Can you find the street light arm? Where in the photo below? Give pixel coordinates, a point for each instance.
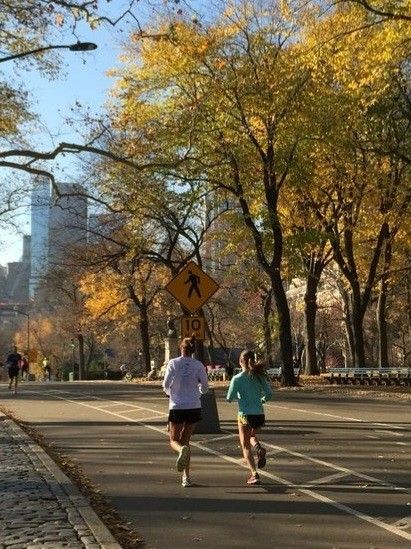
(79, 46)
(12, 310)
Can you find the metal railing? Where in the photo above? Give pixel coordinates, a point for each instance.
(368, 376)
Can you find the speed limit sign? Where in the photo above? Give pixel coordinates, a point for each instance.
(193, 325)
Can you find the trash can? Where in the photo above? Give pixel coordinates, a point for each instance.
(71, 376)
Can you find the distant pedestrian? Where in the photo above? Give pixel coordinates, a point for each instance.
(12, 362)
(46, 369)
(251, 389)
(24, 368)
(184, 382)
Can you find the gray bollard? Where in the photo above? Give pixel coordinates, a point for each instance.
(210, 422)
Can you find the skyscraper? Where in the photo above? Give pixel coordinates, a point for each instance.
(58, 223)
(68, 222)
(40, 215)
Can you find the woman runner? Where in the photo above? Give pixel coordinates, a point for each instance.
(184, 382)
(250, 388)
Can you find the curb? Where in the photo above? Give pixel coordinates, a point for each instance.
(61, 483)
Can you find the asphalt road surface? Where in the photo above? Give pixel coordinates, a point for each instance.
(337, 473)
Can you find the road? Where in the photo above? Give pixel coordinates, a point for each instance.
(337, 473)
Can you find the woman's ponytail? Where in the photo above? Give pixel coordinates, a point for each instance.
(188, 345)
(248, 360)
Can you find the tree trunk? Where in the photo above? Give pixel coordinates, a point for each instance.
(350, 339)
(383, 360)
(357, 326)
(284, 325)
(267, 299)
(81, 359)
(145, 336)
(348, 324)
(310, 299)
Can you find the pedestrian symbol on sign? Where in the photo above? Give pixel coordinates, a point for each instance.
(194, 282)
(192, 287)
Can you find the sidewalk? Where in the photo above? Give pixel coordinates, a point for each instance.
(39, 506)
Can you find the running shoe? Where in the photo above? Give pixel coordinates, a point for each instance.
(182, 459)
(186, 482)
(254, 479)
(261, 457)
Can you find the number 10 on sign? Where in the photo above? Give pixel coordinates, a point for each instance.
(193, 325)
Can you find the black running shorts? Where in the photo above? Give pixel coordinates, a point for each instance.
(253, 421)
(13, 371)
(192, 415)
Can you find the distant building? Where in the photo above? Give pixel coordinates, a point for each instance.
(68, 222)
(217, 216)
(40, 215)
(16, 282)
(3, 281)
(58, 223)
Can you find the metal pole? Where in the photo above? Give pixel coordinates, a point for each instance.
(79, 46)
(31, 52)
(28, 338)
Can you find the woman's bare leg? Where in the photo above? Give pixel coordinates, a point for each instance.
(185, 441)
(244, 432)
(253, 437)
(175, 431)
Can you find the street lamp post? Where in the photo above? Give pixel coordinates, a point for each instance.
(78, 46)
(73, 357)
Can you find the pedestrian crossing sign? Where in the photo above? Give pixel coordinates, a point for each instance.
(192, 287)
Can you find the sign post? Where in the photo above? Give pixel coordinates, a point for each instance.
(192, 287)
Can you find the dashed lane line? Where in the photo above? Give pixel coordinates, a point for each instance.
(239, 462)
(222, 437)
(117, 402)
(134, 410)
(328, 478)
(329, 465)
(385, 432)
(334, 416)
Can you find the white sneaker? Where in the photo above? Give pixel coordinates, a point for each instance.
(186, 482)
(183, 458)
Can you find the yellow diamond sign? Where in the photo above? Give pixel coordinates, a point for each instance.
(192, 287)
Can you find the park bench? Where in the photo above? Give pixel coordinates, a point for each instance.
(275, 373)
(368, 376)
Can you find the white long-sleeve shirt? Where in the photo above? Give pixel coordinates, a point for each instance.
(184, 382)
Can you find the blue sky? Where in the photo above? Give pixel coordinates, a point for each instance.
(82, 79)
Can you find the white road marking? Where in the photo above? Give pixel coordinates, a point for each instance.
(314, 495)
(403, 523)
(329, 478)
(110, 405)
(222, 437)
(273, 453)
(129, 410)
(306, 411)
(335, 467)
(113, 401)
(150, 418)
(385, 432)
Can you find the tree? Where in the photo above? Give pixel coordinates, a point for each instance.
(400, 10)
(228, 96)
